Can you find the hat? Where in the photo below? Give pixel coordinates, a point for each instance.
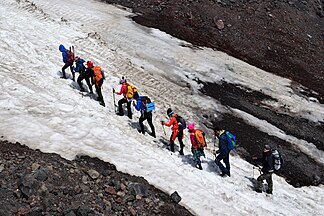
(169, 112)
(266, 147)
(191, 126)
(89, 64)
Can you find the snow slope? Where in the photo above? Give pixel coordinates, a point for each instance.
(48, 113)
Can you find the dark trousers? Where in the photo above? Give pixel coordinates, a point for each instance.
(66, 65)
(120, 107)
(146, 116)
(225, 157)
(82, 77)
(268, 178)
(179, 136)
(98, 90)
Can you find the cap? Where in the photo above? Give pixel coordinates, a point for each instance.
(89, 64)
(191, 126)
(169, 112)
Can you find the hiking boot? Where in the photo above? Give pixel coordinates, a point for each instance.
(63, 77)
(258, 191)
(269, 191)
(181, 152)
(153, 135)
(223, 174)
(199, 166)
(120, 114)
(102, 103)
(140, 131)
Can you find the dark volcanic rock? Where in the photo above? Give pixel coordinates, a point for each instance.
(46, 184)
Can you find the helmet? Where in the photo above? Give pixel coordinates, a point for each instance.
(89, 64)
(191, 126)
(169, 112)
(77, 58)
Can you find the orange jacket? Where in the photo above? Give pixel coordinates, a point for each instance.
(173, 122)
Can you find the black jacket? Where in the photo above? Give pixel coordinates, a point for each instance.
(267, 162)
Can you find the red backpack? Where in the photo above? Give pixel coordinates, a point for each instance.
(70, 57)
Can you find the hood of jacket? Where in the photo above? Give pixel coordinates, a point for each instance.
(62, 48)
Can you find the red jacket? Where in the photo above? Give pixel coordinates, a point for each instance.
(123, 90)
(173, 122)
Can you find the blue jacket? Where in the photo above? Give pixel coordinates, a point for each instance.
(140, 106)
(64, 53)
(79, 66)
(223, 144)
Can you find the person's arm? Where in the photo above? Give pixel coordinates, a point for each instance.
(64, 56)
(171, 122)
(138, 105)
(121, 91)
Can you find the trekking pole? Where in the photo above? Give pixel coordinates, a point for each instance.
(114, 100)
(163, 130)
(253, 172)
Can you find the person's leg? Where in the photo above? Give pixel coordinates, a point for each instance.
(120, 106)
(269, 181)
(66, 65)
(89, 84)
(100, 97)
(141, 119)
(79, 81)
(150, 122)
(172, 138)
(129, 109)
(71, 68)
(260, 182)
(180, 137)
(219, 163)
(227, 164)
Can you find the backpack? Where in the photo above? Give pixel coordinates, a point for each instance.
(131, 90)
(231, 140)
(277, 159)
(200, 138)
(70, 56)
(149, 105)
(181, 122)
(97, 72)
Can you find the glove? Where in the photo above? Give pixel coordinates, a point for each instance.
(162, 122)
(217, 152)
(113, 90)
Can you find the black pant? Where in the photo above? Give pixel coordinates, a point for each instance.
(179, 136)
(120, 107)
(225, 157)
(98, 90)
(82, 77)
(146, 116)
(66, 65)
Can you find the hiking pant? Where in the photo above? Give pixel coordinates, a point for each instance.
(98, 90)
(225, 157)
(66, 65)
(82, 77)
(268, 178)
(197, 153)
(146, 116)
(120, 107)
(174, 135)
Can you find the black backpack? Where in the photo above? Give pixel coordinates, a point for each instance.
(181, 122)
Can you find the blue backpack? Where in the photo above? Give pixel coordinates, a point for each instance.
(231, 140)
